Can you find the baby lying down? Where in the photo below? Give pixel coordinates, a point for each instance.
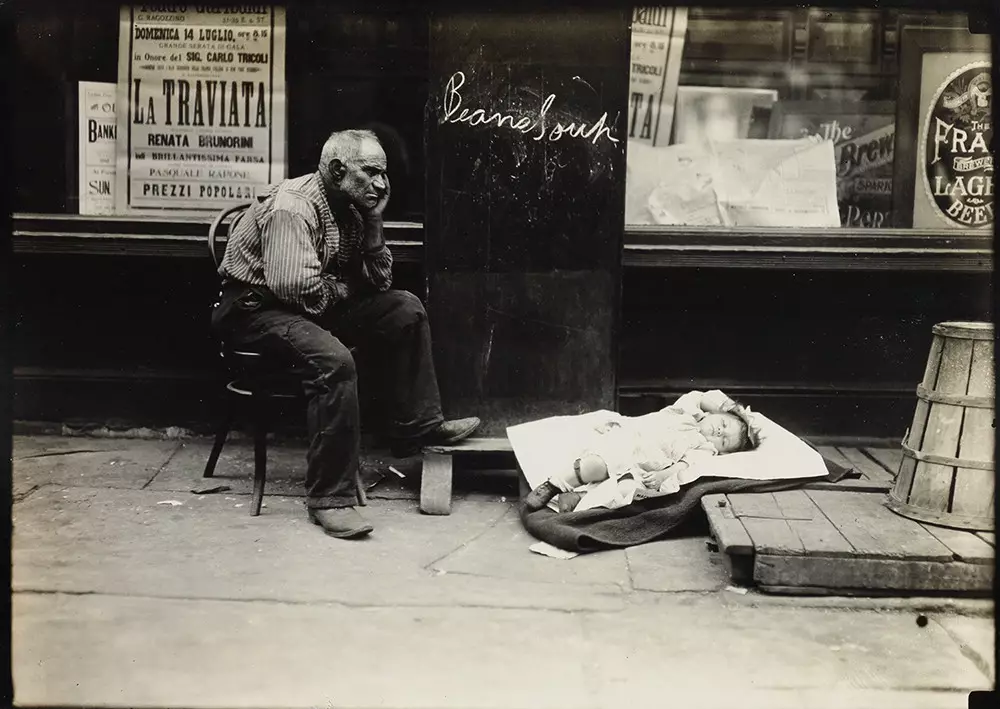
(626, 458)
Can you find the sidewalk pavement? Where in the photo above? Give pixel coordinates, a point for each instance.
(131, 591)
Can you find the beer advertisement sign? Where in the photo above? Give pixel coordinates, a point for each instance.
(955, 177)
(863, 135)
(201, 105)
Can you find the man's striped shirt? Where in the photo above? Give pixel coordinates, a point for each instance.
(290, 242)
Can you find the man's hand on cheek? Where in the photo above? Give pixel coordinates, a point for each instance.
(383, 200)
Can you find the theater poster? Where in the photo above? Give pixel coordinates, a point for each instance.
(201, 106)
(654, 70)
(96, 164)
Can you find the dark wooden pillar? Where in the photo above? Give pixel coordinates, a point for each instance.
(525, 127)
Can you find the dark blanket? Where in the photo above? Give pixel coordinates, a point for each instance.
(649, 519)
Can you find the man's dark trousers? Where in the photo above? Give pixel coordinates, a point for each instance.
(391, 325)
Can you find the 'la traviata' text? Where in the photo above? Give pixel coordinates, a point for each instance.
(203, 102)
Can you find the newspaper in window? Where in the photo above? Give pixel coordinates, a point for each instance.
(766, 183)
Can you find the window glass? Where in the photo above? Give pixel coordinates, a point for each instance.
(808, 117)
(343, 69)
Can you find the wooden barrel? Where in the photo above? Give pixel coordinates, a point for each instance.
(946, 475)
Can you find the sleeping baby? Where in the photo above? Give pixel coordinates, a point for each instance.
(628, 457)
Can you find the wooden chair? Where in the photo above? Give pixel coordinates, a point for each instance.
(255, 386)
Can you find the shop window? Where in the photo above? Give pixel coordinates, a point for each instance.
(809, 117)
(897, 104)
(343, 68)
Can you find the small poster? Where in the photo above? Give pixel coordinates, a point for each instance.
(955, 175)
(201, 98)
(863, 135)
(98, 130)
(719, 114)
(654, 70)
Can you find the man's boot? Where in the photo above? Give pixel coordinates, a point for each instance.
(341, 522)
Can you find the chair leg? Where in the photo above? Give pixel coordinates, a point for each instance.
(259, 458)
(221, 434)
(362, 495)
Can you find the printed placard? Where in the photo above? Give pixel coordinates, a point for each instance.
(654, 71)
(863, 135)
(98, 130)
(955, 173)
(202, 106)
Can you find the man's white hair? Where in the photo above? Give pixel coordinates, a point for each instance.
(344, 145)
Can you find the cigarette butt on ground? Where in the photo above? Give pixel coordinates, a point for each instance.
(392, 469)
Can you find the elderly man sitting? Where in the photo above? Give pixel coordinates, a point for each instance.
(306, 274)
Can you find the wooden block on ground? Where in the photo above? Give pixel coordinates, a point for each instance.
(868, 573)
(435, 484)
(875, 531)
(837, 542)
(474, 445)
(436, 479)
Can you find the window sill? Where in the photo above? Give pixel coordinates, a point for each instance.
(645, 246)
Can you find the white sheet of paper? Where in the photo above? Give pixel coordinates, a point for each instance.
(689, 195)
(772, 183)
(548, 445)
(546, 549)
(778, 183)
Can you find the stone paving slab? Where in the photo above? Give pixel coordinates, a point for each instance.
(285, 471)
(693, 653)
(120, 601)
(706, 641)
(35, 446)
(123, 542)
(163, 653)
(976, 637)
(86, 462)
(501, 552)
(672, 565)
